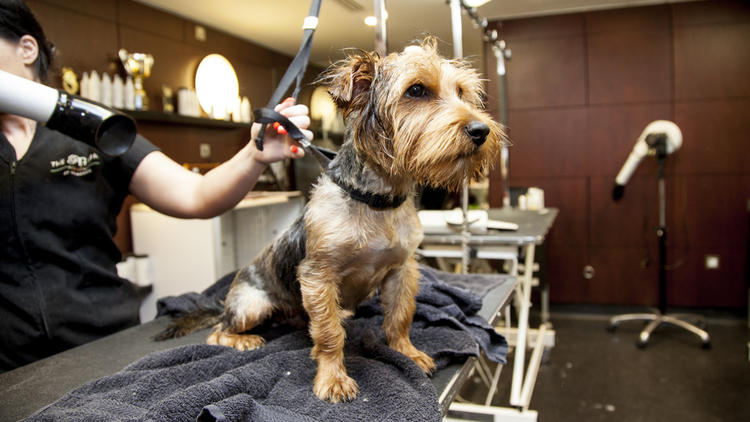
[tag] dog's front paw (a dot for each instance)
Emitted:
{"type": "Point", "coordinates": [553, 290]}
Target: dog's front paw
{"type": "Point", "coordinates": [335, 388]}
{"type": "Point", "coordinates": [423, 360]}
{"type": "Point", "coordinates": [420, 358]}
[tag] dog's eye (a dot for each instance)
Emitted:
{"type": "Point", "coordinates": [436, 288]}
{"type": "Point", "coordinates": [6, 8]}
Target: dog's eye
{"type": "Point", "coordinates": [416, 91]}
{"type": "Point", "coordinates": [460, 92]}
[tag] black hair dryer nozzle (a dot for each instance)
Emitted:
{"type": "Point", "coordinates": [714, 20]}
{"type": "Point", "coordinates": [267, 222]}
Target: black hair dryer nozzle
{"type": "Point", "coordinates": [109, 130]}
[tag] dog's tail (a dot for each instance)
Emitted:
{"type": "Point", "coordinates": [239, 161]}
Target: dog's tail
{"type": "Point", "coordinates": [190, 323]}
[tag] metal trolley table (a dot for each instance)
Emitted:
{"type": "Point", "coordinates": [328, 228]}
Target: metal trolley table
{"type": "Point", "coordinates": [533, 227]}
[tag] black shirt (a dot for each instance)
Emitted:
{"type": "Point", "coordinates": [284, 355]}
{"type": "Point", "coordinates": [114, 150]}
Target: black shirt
{"type": "Point", "coordinates": [58, 282]}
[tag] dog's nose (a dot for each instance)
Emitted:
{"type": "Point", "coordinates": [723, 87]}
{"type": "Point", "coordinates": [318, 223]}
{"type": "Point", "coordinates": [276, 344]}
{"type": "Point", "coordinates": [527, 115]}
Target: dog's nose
{"type": "Point", "coordinates": [477, 131]}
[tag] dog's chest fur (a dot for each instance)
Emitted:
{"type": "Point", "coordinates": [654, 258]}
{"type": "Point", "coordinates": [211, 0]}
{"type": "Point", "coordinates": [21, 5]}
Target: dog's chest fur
{"type": "Point", "coordinates": [364, 246]}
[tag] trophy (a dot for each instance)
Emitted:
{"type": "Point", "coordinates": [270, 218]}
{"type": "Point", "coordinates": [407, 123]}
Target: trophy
{"type": "Point", "coordinates": [69, 81]}
{"type": "Point", "coordinates": [138, 65]}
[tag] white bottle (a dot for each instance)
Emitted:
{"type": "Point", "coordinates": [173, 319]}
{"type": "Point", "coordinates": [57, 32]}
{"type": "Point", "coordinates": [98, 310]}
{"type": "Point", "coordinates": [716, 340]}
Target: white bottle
{"type": "Point", "coordinates": [237, 110]}
{"type": "Point", "coordinates": [197, 106]}
{"type": "Point", "coordinates": [117, 92]}
{"type": "Point", "coordinates": [181, 101]}
{"type": "Point", "coordinates": [219, 111]}
{"type": "Point", "coordinates": [84, 85]}
{"type": "Point", "coordinates": [106, 90]}
{"type": "Point", "coordinates": [95, 87]}
{"type": "Point", "coordinates": [245, 111]}
{"type": "Point", "coordinates": [129, 94]}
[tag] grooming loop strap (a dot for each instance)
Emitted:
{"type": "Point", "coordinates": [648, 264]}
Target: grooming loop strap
{"type": "Point", "coordinates": [267, 115]}
{"type": "Point", "coordinates": [295, 71]}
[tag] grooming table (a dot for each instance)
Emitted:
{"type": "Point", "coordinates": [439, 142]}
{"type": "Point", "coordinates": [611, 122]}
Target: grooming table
{"type": "Point", "coordinates": [533, 227]}
{"type": "Point", "coordinates": [29, 388]}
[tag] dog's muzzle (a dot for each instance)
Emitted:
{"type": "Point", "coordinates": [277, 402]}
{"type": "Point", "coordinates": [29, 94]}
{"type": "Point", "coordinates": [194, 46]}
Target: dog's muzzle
{"type": "Point", "coordinates": [477, 131]}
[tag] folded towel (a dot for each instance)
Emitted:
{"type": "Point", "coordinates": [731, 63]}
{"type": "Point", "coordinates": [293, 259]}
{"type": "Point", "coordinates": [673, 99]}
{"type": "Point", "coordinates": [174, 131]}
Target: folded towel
{"type": "Point", "coordinates": [274, 383]}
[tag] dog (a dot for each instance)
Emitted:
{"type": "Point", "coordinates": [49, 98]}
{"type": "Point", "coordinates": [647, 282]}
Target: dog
{"type": "Point", "coordinates": [411, 118]}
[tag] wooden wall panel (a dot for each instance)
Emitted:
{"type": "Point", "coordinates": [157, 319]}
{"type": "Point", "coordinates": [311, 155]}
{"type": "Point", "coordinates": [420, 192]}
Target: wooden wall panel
{"type": "Point", "coordinates": [685, 62]}
{"type": "Point", "coordinates": [547, 72]}
{"type": "Point", "coordinates": [69, 31]}
{"type": "Point", "coordinates": [231, 46]}
{"type": "Point", "coordinates": [142, 18]}
{"type": "Point", "coordinates": [542, 27]}
{"type": "Point", "coordinates": [256, 82]}
{"type": "Point", "coordinates": [613, 131]}
{"type": "Point", "coordinates": [548, 64]}
{"type": "Point", "coordinates": [714, 134]}
{"type": "Point", "coordinates": [710, 211]}
{"type": "Point", "coordinates": [630, 222]}
{"type": "Point", "coordinates": [559, 132]}
{"type": "Point", "coordinates": [182, 143]}
{"type": "Point", "coordinates": [496, 188]}
{"type": "Point", "coordinates": [629, 55]}
{"type": "Point", "coordinates": [712, 61]}
{"type": "Point", "coordinates": [623, 276]}
{"type": "Point", "coordinates": [647, 19]}
{"type": "Point", "coordinates": [690, 283]}
{"type": "Point", "coordinates": [103, 9]}
{"type": "Point", "coordinates": [567, 284]}
{"type": "Point", "coordinates": [569, 195]}
{"type": "Point", "coordinates": [710, 12]}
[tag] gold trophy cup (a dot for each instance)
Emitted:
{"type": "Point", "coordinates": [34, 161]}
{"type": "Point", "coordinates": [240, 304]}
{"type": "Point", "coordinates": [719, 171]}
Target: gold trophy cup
{"type": "Point", "coordinates": [138, 65]}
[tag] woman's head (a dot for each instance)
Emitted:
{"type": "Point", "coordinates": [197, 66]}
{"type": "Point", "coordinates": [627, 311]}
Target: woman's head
{"type": "Point", "coordinates": [17, 24]}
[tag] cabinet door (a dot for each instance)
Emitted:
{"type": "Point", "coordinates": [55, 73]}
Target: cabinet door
{"type": "Point", "coordinates": [254, 228]}
{"type": "Point", "coordinates": [182, 254]}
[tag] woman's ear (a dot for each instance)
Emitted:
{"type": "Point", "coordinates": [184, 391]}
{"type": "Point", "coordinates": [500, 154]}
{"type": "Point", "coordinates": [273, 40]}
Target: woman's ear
{"type": "Point", "coordinates": [28, 50]}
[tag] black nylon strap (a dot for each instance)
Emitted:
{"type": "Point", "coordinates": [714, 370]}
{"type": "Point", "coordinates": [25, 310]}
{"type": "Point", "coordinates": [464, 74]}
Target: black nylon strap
{"type": "Point", "coordinates": [296, 70]}
{"type": "Point", "coordinates": [266, 115]}
{"type": "Point", "coordinates": [298, 66]}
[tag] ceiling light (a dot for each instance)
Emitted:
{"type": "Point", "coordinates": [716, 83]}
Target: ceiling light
{"type": "Point", "coordinates": [475, 3]}
{"type": "Point", "coordinates": [372, 20]}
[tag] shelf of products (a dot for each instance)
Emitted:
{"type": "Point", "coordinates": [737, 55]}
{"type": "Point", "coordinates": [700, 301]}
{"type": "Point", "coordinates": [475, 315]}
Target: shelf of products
{"type": "Point", "coordinates": [178, 119]}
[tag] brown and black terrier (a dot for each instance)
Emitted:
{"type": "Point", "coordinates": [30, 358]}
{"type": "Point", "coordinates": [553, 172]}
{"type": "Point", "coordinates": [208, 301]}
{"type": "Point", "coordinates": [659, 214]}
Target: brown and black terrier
{"type": "Point", "coordinates": [411, 118]}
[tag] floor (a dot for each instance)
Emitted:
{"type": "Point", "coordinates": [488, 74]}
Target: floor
{"type": "Point", "coordinates": [595, 375]}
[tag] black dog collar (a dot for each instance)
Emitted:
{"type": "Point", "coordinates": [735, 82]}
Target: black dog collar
{"type": "Point", "coordinates": [373, 200]}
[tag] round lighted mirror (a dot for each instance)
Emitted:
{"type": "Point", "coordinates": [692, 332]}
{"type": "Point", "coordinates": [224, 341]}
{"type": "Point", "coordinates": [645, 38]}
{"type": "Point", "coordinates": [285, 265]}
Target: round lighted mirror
{"type": "Point", "coordinates": [216, 86]}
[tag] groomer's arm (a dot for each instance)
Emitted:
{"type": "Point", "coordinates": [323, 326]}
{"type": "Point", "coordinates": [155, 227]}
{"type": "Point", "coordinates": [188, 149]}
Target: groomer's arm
{"type": "Point", "coordinates": [169, 188]}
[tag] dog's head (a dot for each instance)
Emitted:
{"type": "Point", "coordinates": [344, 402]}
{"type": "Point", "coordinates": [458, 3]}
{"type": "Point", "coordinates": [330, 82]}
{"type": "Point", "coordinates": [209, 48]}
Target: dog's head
{"type": "Point", "coordinates": [415, 115]}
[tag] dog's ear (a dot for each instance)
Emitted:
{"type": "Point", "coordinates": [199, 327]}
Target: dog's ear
{"type": "Point", "coordinates": [349, 80]}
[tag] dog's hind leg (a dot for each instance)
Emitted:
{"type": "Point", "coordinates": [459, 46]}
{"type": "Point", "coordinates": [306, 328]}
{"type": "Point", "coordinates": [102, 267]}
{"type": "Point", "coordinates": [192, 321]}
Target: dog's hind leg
{"type": "Point", "coordinates": [222, 337]}
{"type": "Point", "coordinates": [245, 307]}
{"type": "Point", "coordinates": [397, 297]}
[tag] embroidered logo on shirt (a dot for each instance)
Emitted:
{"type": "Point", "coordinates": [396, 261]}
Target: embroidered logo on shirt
{"type": "Point", "coordinates": [76, 165]}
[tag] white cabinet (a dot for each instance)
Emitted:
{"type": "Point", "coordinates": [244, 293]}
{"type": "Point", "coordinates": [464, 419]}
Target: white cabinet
{"type": "Point", "coordinates": [190, 255]}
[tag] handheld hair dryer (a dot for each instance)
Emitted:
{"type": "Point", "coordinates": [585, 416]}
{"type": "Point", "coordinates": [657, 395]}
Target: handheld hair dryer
{"type": "Point", "coordinates": [653, 135]}
{"type": "Point", "coordinates": [108, 130]}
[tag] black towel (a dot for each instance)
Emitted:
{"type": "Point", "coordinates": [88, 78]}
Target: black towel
{"type": "Point", "coordinates": [274, 383]}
